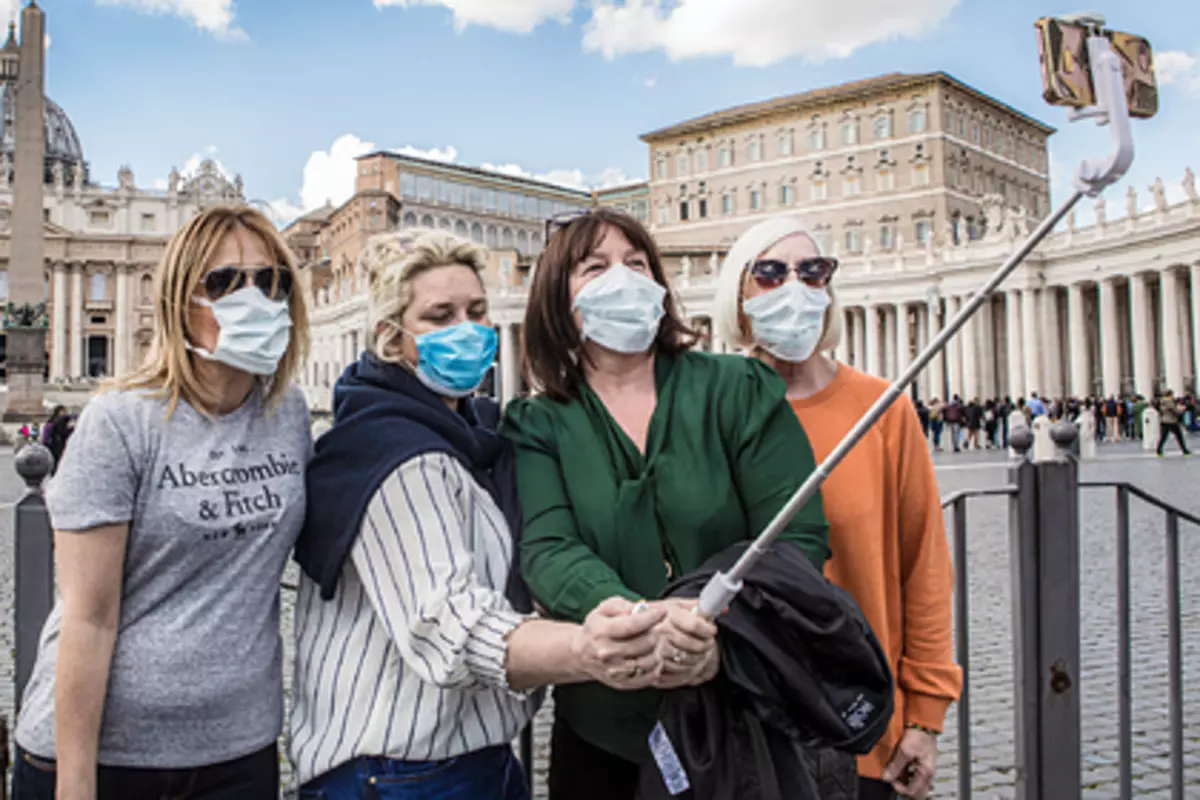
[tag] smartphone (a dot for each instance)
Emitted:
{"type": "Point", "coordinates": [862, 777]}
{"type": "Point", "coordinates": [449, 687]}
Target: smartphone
{"type": "Point", "coordinates": [1066, 71]}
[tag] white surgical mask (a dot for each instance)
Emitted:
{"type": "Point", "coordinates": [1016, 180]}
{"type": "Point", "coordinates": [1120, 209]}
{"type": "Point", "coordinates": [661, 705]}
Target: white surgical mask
{"type": "Point", "coordinates": [621, 310]}
{"type": "Point", "coordinates": [254, 331]}
{"type": "Point", "coordinates": [787, 321]}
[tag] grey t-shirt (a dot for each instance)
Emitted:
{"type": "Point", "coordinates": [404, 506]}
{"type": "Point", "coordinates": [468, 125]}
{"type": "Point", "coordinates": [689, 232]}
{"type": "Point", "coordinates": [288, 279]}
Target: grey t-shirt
{"type": "Point", "coordinates": [214, 508]}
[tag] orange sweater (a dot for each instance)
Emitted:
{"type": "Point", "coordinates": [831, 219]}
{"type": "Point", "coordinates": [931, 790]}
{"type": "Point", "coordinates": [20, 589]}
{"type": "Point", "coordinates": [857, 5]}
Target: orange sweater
{"type": "Point", "coordinates": [889, 547]}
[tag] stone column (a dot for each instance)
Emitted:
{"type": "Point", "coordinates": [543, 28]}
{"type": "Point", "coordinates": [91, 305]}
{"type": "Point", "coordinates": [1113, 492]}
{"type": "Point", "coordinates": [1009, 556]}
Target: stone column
{"type": "Point", "coordinates": [987, 350]}
{"type": "Point", "coordinates": [954, 360]}
{"type": "Point", "coordinates": [1030, 344]}
{"type": "Point", "coordinates": [76, 349]}
{"type": "Point", "coordinates": [1110, 338]}
{"type": "Point", "coordinates": [1143, 343]}
{"type": "Point", "coordinates": [1195, 276]}
{"type": "Point", "coordinates": [58, 325]}
{"type": "Point", "coordinates": [1051, 346]}
{"type": "Point", "coordinates": [904, 341]}
{"type": "Point", "coordinates": [842, 351]}
{"type": "Point", "coordinates": [1012, 336]}
{"type": "Point", "coordinates": [121, 306]}
{"type": "Point", "coordinates": [510, 362]}
{"type": "Point", "coordinates": [1077, 336]}
{"type": "Point", "coordinates": [937, 366]}
{"type": "Point", "coordinates": [874, 348]}
{"type": "Point", "coordinates": [1172, 336]}
{"type": "Point", "coordinates": [860, 338]}
{"type": "Point", "coordinates": [887, 342]}
{"type": "Point", "coordinates": [969, 352]}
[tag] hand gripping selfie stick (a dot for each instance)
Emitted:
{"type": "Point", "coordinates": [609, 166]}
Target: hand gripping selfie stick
{"type": "Point", "coordinates": [1092, 177]}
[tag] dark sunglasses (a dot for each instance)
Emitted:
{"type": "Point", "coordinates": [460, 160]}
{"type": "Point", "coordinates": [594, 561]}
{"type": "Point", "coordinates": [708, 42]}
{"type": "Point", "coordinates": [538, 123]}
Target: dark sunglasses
{"type": "Point", "coordinates": [274, 282]}
{"type": "Point", "coordinates": [560, 221]}
{"type": "Point", "coordinates": [770, 273]}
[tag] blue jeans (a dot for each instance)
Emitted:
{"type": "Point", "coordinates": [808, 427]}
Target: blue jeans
{"type": "Point", "coordinates": [253, 777]}
{"type": "Point", "coordinates": [493, 773]}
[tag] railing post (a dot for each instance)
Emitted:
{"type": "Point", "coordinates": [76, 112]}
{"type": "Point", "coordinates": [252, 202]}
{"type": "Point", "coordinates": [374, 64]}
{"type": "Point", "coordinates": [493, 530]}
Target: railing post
{"type": "Point", "coordinates": [1023, 548]}
{"type": "Point", "coordinates": [1060, 747]}
{"type": "Point", "coordinates": [33, 570]}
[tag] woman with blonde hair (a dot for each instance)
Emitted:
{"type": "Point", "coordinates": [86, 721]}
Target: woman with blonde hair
{"type": "Point", "coordinates": [174, 511]}
{"type": "Point", "coordinates": [416, 652]}
{"type": "Point", "coordinates": [775, 298]}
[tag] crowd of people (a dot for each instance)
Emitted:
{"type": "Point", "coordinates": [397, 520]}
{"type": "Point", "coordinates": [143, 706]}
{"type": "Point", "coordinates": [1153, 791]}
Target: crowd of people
{"type": "Point", "coordinates": [457, 558]}
{"type": "Point", "coordinates": [985, 425]}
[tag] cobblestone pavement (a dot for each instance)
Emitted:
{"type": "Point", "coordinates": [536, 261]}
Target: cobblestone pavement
{"type": "Point", "coordinates": [1172, 479]}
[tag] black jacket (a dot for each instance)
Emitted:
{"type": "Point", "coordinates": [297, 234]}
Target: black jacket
{"type": "Point", "coordinates": [801, 673]}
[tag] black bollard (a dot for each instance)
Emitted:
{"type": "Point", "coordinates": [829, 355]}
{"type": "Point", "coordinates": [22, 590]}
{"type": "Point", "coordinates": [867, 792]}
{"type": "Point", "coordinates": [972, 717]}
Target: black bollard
{"type": "Point", "coordinates": [33, 569]}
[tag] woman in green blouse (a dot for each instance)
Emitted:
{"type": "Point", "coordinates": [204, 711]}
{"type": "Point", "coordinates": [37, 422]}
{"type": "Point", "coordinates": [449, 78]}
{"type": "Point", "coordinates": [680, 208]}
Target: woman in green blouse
{"type": "Point", "coordinates": [637, 461]}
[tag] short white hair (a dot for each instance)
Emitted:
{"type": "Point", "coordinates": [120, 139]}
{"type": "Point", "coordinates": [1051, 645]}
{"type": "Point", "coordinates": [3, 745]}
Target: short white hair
{"type": "Point", "coordinates": [727, 305]}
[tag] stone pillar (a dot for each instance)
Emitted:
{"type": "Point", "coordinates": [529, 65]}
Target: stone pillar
{"type": "Point", "coordinates": [58, 325]}
{"type": "Point", "coordinates": [1012, 321]}
{"type": "Point", "coordinates": [1110, 338]}
{"type": "Point", "coordinates": [860, 338]}
{"type": "Point", "coordinates": [121, 304]}
{"type": "Point", "coordinates": [954, 371]}
{"type": "Point", "coordinates": [1051, 346]}
{"type": "Point", "coordinates": [510, 363]}
{"type": "Point", "coordinates": [842, 351]}
{"type": "Point", "coordinates": [26, 345]}
{"type": "Point", "coordinates": [937, 366]}
{"type": "Point", "coordinates": [1195, 276]}
{"type": "Point", "coordinates": [1077, 336]}
{"type": "Point", "coordinates": [904, 342]}
{"type": "Point", "coordinates": [1143, 343]}
{"type": "Point", "coordinates": [1172, 336]}
{"type": "Point", "coordinates": [874, 348]}
{"type": "Point", "coordinates": [889, 342]}
{"type": "Point", "coordinates": [987, 350]}
{"type": "Point", "coordinates": [76, 328]}
{"type": "Point", "coordinates": [969, 353]}
{"type": "Point", "coordinates": [1030, 344]}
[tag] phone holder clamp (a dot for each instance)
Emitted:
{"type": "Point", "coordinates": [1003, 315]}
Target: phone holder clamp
{"type": "Point", "coordinates": [1112, 109]}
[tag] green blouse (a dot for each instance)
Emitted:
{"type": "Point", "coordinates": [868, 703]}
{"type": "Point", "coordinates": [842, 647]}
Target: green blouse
{"type": "Point", "coordinates": [724, 453]}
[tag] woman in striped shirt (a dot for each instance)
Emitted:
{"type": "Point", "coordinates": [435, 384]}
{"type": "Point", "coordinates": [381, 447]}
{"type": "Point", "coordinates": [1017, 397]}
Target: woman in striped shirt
{"type": "Point", "coordinates": [416, 654]}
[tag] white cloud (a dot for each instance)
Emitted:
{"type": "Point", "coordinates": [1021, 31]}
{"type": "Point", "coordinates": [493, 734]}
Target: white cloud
{"type": "Point", "coordinates": [516, 16]}
{"type": "Point", "coordinates": [212, 16]}
{"type": "Point", "coordinates": [570, 178]}
{"type": "Point", "coordinates": [1173, 66]}
{"type": "Point", "coordinates": [756, 32]}
{"type": "Point", "coordinates": [650, 82]}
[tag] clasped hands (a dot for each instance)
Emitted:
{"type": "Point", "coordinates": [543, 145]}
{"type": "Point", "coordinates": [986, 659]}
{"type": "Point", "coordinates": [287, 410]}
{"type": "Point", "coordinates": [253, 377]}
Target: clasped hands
{"type": "Point", "coordinates": [667, 645]}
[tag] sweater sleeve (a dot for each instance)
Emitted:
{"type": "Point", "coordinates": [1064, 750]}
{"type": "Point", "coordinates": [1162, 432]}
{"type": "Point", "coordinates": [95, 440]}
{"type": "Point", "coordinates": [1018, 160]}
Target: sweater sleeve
{"type": "Point", "coordinates": [773, 458]}
{"type": "Point", "coordinates": [418, 573]}
{"type": "Point", "coordinates": [928, 674]}
{"type": "Point", "coordinates": [566, 576]}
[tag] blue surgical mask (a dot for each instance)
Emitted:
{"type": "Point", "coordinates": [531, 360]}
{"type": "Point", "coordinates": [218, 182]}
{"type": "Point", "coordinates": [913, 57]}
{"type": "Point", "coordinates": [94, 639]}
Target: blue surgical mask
{"type": "Point", "coordinates": [254, 331]}
{"type": "Point", "coordinates": [787, 321]}
{"type": "Point", "coordinates": [621, 310]}
{"type": "Point", "coordinates": [454, 361]}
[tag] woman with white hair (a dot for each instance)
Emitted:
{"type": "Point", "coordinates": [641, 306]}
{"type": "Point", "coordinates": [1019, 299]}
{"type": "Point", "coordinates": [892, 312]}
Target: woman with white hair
{"type": "Point", "coordinates": [416, 651]}
{"type": "Point", "coordinates": [776, 299]}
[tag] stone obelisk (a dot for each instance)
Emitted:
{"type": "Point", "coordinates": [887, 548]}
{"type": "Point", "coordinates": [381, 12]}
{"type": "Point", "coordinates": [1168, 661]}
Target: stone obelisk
{"type": "Point", "coordinates": [25, 319]}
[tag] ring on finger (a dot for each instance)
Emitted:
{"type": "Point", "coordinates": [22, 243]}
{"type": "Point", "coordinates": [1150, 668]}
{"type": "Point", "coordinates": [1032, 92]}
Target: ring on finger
{"type": "Point", "coordinates": [678, 656]}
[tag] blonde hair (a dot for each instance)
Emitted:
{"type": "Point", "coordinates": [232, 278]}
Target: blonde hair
{"type": "Point", "coordinates": [391, 262]}
{"type": "Point", "coordinates": [168, 370]}
{"type": "Point", "coordinates": [728, 321]}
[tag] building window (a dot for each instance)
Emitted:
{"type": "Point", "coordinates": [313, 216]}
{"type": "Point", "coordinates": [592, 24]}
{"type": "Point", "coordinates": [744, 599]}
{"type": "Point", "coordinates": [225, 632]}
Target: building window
{"type": "Point", "coordinates": [683, 210]}
{"type": "Point", "coordinates": [850, 133]}
{"type": "Point", "coordinates": [660, 168]}
{"type": "Point", "coordinates": [755, 199]}
{"type": "Point", "coordinates": [493, 236]}
{"type": "Point", "coordinates": [819, 191]}
{"type": "Point", "coordinates": [853, 242]}
{"type": "Point", "coordinates": [662, 215]}
{"type": "Point", "coordinates": [850, 186]}
{"type": "Point", "coordinates": [754, 151]}
{"type": "Point", "coordinates": [702, 161]}
{"type": "Point", "coordinates": [727, 204]}
{"type": "Point", "coordinates": [921, 175]}
{"type": "Point", "coordinates": [506, 239]}
{"type": "Point", "coordinates": [886, 241]}
{"type": "Point", "coordinates": [949, 120]}
{"type": "Point", "coordinates": [639, 210]}
{"type": "Point", "coordinates": [460, 228]}
{"type": "Point", "coordinates": [883, 127]}
{"type": "Point", "coordinates": [785, 144]}
{"type": "Point", "coordinates": [681, 164]}
{"type": "Point", "coordinates": [975, 133]}
{"type": "Point", "coordinates": [725, 156]}
{"type": "Point", "coordinates": [702, 204]}
{"type": "Point", "coordinates": [887, 180]}
{"type": "Point", "coordinates": [477, 232]}
{"type": "Point", "coordinates": [816, 138]}
{"type": "Point", "coordinates": [522, 242]}
{"type": "Point", "coordinates": [98, 287]}
{"type": "Point", "coordinates": [147, 223]}
{"type": "Point", "coordinates": [918, 120]}
{"type": "Point", "coordinates": [787, 196]}
{"type": "Point", "coordinates": [99, 219]}
{"type": "Point", "coordinates": [921, 229]}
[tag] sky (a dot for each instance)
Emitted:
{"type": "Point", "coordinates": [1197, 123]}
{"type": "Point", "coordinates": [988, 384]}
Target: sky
{"type": "Point", "coordinates": [287, 92]}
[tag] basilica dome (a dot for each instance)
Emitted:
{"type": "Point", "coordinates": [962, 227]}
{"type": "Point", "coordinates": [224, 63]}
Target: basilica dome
{"type": "Point", "coordinates": [63, 149]}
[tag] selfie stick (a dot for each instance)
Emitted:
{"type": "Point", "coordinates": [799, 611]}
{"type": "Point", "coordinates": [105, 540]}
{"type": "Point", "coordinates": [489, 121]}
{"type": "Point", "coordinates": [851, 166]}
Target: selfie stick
{"type": "Point", "coordinates": [1093, 176]}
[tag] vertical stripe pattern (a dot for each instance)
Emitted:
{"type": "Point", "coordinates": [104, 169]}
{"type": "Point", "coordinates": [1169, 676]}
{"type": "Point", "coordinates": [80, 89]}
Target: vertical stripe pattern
{"type": "Point", "coordinates": [407, 661]}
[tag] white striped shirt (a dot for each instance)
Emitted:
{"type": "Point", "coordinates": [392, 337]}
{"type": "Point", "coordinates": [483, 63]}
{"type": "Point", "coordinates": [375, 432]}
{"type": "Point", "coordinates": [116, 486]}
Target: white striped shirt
{"type": "Point", "coordinates": [407, 661]}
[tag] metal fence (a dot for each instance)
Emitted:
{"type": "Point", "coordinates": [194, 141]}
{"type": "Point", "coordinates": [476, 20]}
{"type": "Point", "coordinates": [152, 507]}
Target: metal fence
{"type": "Point", "coordinates": [1044, 531]}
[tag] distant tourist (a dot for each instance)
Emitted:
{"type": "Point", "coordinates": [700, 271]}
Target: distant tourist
{"type": "Point", "coordinates": [175, 510]}
{"type": "Point", "coordinates": [1170, 414]}
{"type": "Point", "coordinates": [55, 433]}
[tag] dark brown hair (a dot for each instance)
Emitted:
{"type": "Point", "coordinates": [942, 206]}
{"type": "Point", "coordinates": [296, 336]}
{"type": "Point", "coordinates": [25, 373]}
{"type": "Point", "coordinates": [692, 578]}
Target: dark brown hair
{"type": "Point", "coordinates": [553, 348]}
